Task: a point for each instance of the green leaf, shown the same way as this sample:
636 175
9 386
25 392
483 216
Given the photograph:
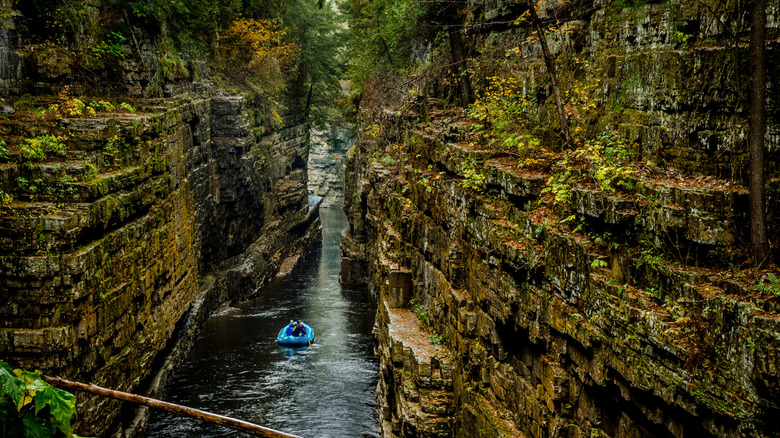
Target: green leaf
36 427
10 384
9 418
62 404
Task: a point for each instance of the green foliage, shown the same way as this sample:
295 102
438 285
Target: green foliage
435 338
506 116
598 263
5 198
22 183
419 311
76 107
31 407
650 258
196 22
97 36
102 105
472 177
635 10
385 35
3 150
35 149
127 107
605 161
608 161
108 50
560 183
320 37
680 38
770 284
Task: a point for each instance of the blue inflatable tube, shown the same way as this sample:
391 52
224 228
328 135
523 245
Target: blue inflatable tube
295 341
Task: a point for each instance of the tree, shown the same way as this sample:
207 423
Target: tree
385 34
320 34
550 63
448 17
757 114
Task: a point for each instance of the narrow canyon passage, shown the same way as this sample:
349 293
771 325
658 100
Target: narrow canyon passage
236 369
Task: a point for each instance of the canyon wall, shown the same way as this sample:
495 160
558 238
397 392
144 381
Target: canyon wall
326 163
146 214
124 223
631 314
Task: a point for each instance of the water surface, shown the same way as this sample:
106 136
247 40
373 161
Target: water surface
236 369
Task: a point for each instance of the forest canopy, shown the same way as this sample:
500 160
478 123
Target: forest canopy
266 46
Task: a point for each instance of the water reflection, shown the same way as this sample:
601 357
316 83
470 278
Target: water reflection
236 369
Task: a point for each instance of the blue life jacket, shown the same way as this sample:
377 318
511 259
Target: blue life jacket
289 330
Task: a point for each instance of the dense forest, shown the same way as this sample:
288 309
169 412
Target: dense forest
111 46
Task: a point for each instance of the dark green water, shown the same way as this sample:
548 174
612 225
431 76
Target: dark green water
236 369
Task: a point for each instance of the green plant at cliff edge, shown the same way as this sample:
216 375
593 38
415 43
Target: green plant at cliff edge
435 339
419 310
30 407
770 285
472 178
36 148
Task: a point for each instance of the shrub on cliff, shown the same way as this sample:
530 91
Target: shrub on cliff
31 407
255 50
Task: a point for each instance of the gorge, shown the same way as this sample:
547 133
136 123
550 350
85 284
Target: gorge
526 285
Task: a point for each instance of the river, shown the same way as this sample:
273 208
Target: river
236 369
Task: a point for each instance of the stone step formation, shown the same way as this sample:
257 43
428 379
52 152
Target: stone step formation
536 328
110 233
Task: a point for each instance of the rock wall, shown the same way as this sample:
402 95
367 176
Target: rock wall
524 336
326 162
496 318
129 238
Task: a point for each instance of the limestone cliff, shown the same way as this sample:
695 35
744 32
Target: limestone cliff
326 163
143 214
125 221
626 316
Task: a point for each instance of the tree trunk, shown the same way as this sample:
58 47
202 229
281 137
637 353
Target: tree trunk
464 81
308 99
232 423
550 63
757 114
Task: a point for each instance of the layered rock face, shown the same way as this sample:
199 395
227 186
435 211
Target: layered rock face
525 335
326 163
497 318
138 229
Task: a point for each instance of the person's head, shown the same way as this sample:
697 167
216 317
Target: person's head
292 322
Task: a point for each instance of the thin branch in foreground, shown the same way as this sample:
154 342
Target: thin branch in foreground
232 423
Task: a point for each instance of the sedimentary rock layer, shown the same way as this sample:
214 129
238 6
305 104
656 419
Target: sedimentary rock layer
496 322
188 197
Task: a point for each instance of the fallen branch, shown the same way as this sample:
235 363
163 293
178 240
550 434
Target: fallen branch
232 423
